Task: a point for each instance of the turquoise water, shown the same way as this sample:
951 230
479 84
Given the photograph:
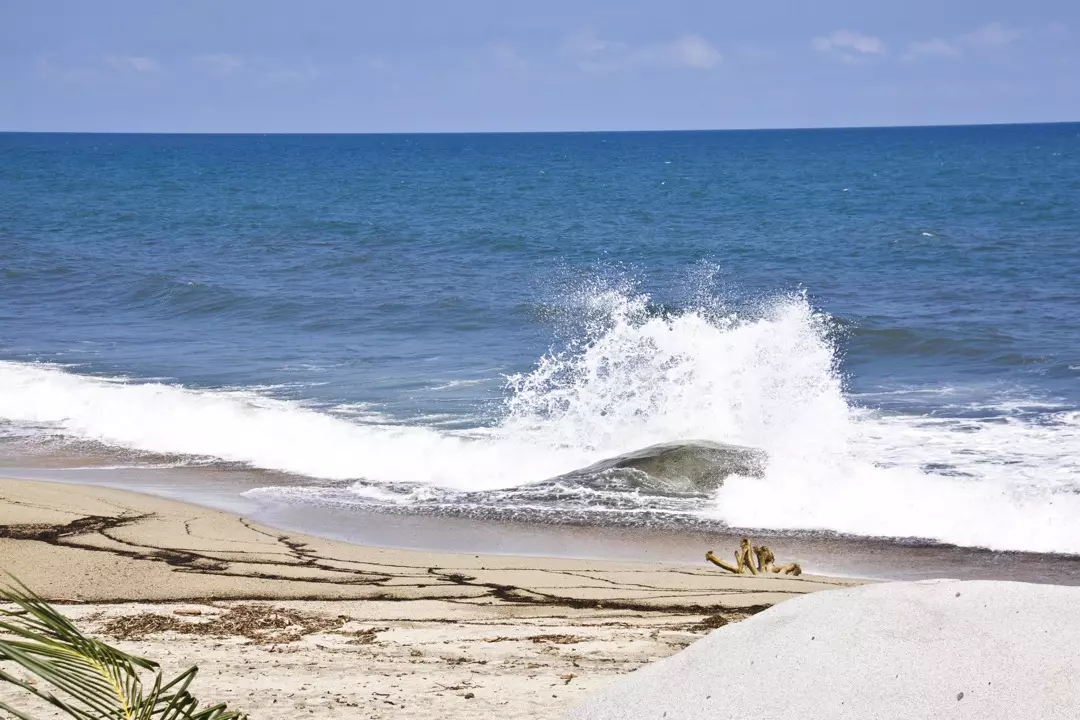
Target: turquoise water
440 323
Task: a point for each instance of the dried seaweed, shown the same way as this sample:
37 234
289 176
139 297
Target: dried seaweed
366 636
261 624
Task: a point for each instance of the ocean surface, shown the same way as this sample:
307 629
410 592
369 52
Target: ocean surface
448 324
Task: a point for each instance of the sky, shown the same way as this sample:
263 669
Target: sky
507 65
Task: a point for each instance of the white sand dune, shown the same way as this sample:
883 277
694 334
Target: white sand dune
933 649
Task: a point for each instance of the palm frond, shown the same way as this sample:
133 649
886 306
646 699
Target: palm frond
92 680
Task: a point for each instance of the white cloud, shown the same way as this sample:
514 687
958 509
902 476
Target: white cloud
594 54
849 45
934 47
136 63
220 63
693 51
992 35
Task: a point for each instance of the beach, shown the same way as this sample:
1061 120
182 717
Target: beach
549 360
299 624
444 425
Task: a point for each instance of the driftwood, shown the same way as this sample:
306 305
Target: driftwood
754 559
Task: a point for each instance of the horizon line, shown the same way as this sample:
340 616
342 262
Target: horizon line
542 132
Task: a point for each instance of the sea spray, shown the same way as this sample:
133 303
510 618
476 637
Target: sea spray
638 377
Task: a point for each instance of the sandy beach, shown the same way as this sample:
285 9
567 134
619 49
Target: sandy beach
282 623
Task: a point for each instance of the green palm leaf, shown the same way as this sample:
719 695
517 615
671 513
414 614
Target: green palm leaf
92 680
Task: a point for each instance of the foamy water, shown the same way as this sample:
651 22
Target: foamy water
630 377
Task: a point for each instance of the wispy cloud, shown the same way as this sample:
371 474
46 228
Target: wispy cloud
133 63
49 68
932 48
303 72
755 53
585 45
990 36
223 64
267 72
378 64
506 57
849 46
693 51
594 54
1057 30
993 35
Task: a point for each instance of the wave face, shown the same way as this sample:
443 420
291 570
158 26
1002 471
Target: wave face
999 475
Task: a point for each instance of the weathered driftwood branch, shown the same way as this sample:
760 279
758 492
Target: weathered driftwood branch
754 559
717 561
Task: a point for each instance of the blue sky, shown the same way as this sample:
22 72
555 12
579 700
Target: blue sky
503 65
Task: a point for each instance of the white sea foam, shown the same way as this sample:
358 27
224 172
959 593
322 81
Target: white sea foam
461 383
632 377
239 426
1000 482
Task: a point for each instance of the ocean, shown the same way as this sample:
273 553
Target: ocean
416 327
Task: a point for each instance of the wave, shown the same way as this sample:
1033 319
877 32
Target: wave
999 483
246 427
631 374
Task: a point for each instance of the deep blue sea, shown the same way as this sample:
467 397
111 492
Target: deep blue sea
442 323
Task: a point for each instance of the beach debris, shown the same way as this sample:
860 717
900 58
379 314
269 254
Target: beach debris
557 639
366 636
258 623
754 559
708 623
187 612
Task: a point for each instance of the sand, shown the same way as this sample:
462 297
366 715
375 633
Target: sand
933 649
356 631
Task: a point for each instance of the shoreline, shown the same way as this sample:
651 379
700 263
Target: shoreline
824 554
394 633
204 552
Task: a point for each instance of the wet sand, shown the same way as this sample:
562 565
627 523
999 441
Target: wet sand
819 553
343 630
